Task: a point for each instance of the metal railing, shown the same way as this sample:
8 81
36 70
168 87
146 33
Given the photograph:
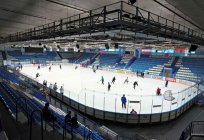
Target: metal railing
97 21
194 130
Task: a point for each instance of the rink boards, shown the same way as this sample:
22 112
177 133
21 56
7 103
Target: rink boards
151 117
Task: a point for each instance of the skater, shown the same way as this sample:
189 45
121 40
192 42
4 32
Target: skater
166 84
44 83
158 91
102 80
94 70
61 90
55 87
38 67
123 100
109 86
76 67
135 84
37 75
126 80
50 86
60 66
50 69
113 80
21 66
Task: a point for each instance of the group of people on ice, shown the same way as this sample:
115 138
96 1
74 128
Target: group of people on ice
135 83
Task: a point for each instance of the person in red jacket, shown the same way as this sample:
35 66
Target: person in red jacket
158 91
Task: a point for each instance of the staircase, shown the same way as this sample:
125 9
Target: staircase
175 61
123 62
157 70
184 72
130 62
96 60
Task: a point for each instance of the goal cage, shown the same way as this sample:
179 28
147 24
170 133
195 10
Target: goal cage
168 95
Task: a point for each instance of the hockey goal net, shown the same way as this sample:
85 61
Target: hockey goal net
168 95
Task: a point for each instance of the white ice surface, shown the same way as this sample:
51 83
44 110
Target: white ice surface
84 86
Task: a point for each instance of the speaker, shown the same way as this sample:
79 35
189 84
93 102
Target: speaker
40 43
193 48
107 46
77 46
133 1
116 45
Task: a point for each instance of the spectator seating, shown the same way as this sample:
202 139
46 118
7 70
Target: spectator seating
85 58
106 60
145 63
190 68
23 56
37 102
8 76
123 62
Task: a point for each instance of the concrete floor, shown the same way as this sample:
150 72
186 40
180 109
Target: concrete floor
165 131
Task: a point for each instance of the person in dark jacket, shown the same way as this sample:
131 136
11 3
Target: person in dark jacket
113 80
109 86
74 121
123 100
47 115
67 118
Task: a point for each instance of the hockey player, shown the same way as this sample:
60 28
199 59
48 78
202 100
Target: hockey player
158 91
126 80
55 87
109 86
37 75
50 68
113 80
61 90
135 84
102 80
166 84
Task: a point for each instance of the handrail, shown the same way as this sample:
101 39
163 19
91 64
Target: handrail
64 130
31 123
61 23
86 126
25 100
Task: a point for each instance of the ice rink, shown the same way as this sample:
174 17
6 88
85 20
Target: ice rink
84 86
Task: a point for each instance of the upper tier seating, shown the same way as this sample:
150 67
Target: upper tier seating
22 56
85 57
108 59
144 63
196 65
8 76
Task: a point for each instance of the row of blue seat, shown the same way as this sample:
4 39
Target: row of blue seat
21 56
144 63
109 59
32 105
85 56
8 76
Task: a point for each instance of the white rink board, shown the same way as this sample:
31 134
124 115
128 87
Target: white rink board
84 86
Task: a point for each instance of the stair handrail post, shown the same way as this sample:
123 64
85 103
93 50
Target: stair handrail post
31 123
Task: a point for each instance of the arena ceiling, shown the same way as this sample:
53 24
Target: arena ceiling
19 15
